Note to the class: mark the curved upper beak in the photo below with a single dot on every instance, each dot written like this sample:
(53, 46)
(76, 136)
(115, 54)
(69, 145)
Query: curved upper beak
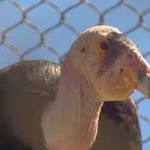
(144, 78)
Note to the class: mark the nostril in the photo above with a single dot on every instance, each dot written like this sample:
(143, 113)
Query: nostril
(121, 70)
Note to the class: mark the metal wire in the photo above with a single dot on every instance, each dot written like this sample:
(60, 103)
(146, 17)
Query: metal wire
(26, 19)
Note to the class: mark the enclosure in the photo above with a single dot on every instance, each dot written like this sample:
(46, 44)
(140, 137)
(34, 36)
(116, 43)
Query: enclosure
(45, 29)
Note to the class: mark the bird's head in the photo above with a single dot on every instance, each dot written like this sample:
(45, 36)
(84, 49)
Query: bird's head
(110, 62)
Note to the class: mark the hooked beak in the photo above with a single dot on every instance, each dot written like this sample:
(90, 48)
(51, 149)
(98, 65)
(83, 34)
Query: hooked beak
(144, 78)
(144, 83)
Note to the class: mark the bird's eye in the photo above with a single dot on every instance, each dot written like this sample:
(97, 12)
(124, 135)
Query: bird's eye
(104, 45)
(82, 50)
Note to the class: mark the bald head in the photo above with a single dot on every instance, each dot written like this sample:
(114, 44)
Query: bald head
(103, 29)
(110, 62)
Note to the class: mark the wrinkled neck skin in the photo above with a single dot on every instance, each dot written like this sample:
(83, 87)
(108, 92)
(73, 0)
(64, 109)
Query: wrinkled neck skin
(71, 122)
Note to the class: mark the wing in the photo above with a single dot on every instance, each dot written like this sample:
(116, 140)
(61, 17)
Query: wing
(119, 127)
(25, 90)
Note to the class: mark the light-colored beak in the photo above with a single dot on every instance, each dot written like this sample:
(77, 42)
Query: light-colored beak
(144, 78)
(144, 83)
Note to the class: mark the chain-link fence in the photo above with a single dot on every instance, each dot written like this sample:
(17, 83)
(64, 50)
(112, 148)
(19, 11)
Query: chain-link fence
(45, 29)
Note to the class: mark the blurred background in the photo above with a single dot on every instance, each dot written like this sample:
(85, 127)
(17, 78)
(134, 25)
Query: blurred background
(45, 29)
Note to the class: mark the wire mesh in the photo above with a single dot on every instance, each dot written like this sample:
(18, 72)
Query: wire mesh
(35, 29)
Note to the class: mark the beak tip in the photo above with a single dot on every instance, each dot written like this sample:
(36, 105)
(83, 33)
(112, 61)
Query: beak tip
(144, 86)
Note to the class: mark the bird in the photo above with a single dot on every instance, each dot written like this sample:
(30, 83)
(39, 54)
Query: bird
(118, 127)
(47, 106)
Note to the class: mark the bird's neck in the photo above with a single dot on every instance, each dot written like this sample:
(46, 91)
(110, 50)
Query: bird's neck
(71, 122)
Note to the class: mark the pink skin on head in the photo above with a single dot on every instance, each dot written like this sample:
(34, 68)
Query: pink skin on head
(88, 78)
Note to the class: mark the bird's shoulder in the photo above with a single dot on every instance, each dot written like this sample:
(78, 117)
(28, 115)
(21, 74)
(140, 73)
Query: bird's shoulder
(30, 76)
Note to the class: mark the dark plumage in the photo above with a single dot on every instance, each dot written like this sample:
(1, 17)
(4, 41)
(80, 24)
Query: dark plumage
(118, 127)
(21, 129)
(22, 106)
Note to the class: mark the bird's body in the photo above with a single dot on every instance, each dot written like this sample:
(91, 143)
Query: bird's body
(45, 106)
(23, 105)
(39, 84)
(27, 104)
